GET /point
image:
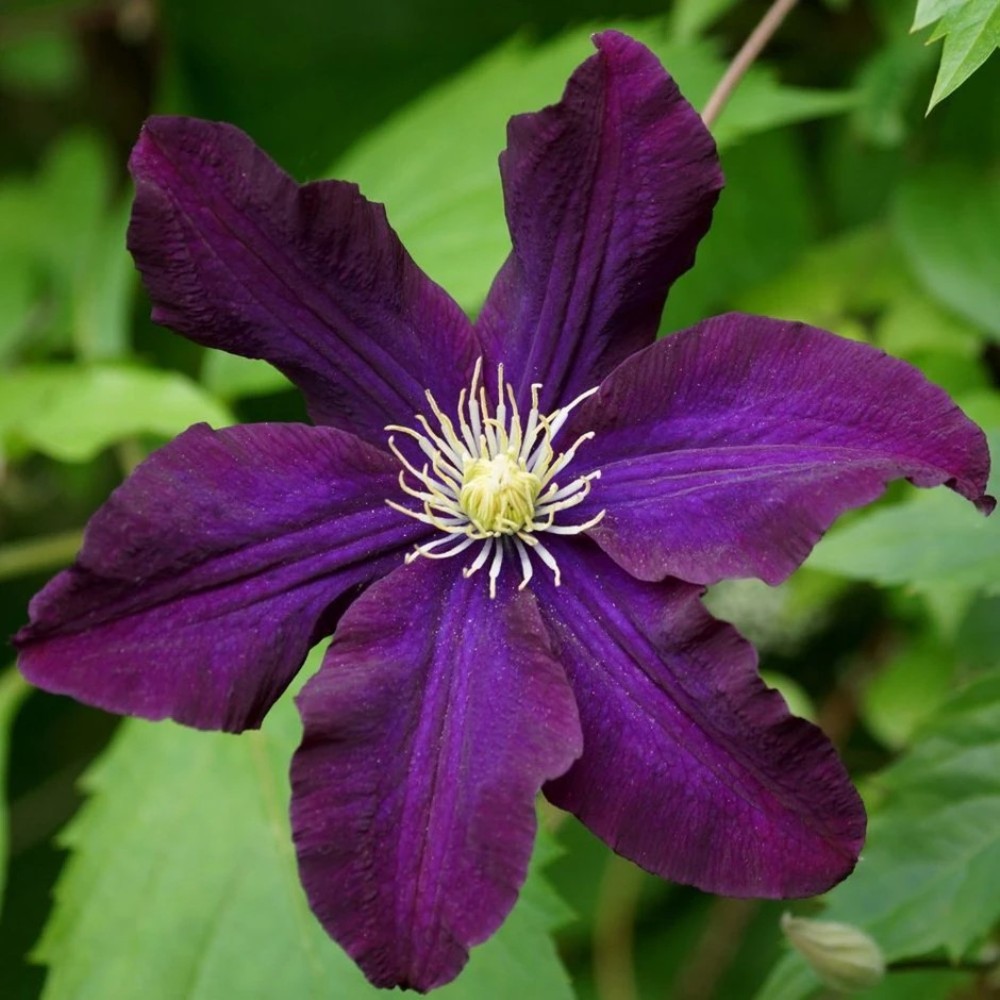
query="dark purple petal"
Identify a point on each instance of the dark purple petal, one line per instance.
(691, 767)
(207, 575)
(434, 721)
(607, 194)
(728, 449)
(236, 255)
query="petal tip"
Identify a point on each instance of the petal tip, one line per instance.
(985, 504)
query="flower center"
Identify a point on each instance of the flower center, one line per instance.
(499, 493)
(491, 482)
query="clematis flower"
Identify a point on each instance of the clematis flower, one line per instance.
(507, 526)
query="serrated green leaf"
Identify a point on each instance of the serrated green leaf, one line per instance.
(929, 11)
(971, 33)
(945, 220)
(932, 539)
(183, 883)
(72, 413)
(12, 691)
(445, 201)
(927, 879)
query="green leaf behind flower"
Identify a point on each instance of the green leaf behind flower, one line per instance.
(12, 691)
(946, 219)
(72, 413)
(927, 879)
(67, 277)
(434, 163)
(930, 541)
(971, 33)
(183, 883)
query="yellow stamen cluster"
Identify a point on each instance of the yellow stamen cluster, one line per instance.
(492, 479)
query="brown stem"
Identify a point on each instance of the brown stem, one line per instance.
(744, 59)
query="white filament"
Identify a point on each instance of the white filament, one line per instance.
(492, 480)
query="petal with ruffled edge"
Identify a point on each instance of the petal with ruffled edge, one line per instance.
(607, 194)
(691, 767)
(236, 255)
(207, 575)
(433, 722)
(727, 450)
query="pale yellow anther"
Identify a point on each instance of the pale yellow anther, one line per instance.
(499, 493)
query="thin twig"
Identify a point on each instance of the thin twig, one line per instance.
(744, 59)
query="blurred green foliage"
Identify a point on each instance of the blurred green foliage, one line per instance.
(845, 207)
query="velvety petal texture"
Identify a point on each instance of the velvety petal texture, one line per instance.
(607, 194)
(727, 450)
(433, 722)
(236, 255)
(691, 767)
(207, 575)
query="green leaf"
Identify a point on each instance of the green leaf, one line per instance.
(907, 691)
(914, 325)
(928, 876)
(68, 253)
(971, 33)
(929, 11)
(762, 224)
(932, 539)
(834, 283)
(690, 18)
(72, 413)
(45, 62)
(12, 691)
(230, 376)
(886, 85)
(447, 204)
(945, 220)
(183, 883)
(102, 290)
(17, 301)
(76, 180)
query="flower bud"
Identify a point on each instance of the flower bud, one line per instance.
(844, 957)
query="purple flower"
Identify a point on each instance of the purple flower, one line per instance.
(507, 525)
